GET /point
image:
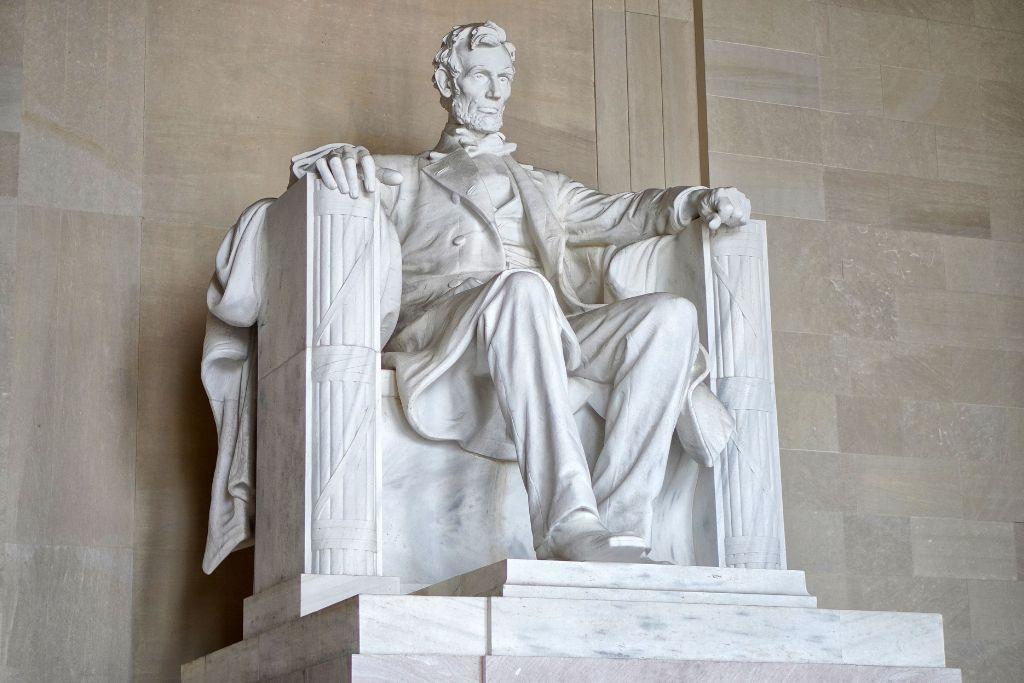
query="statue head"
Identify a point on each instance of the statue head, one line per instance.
(473, 71)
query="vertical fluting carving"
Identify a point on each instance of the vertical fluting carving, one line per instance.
(740, 344)
(343, 395)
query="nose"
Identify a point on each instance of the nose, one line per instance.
(494, 89)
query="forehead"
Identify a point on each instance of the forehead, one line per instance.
(493, 58)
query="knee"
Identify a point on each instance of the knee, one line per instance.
(526, 287)
(670, 312)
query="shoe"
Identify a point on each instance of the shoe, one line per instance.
(583, 538)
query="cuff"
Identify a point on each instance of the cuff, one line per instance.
(682, 212)
(301, 163)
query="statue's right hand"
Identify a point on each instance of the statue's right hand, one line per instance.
(351, 169)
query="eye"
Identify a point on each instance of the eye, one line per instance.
(478, 75)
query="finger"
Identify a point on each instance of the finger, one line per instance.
(714, 223)
(726, 209)
(339, 174)
(389, 176)
(351, 175)
(369, 171)
(325, 174)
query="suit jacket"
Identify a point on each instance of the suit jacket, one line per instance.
(450, 241)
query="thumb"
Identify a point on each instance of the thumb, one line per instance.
(389, 176)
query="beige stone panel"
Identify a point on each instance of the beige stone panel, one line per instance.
(884, 485)
(75, 361)
(978, 157)
(756, 73)
(937, 10)
(643, 6)
(1002, 107)
(646, 124)
(931, 97)
(764, 130)
(611, 97)
(676, 9)
(868, 143)
(830, 589)
(993, 660)
(10, 98)
(201, 164)
(83, 106)
(8, 272)
(946, 207)
(997, 610)
(795, 25)
(856, 196)
(968, 432)
(9, 148)
(964, 549)
(956, 318)
(864, 307)
(1006, 208)
(182, 614)
(814, 541)
(976, 52)
(922, 371)
(12, 25)
(807, 421)
(987, 376)
(873, 38)
(801, 300)
(1018, 532)
(898, 257)
(776, 187)
(812, 480)
(1006, 15)
(849, 87)
(984, 266)
(70, 613)
(869, 425)
(877, 545)
(811, 362)
(947, 597)
(680, 103)
(994, 491)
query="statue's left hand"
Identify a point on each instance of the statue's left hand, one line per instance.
(722, 206)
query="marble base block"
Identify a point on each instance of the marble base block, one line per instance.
(305, 594)
(623, 582)
(537, 620)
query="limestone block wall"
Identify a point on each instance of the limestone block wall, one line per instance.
(883, 141)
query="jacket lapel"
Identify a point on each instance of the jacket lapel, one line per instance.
(457, 172)
(541, 221)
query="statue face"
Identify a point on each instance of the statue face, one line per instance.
(483, 87)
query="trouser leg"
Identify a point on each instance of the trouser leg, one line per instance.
(520, 336)
(644, 348)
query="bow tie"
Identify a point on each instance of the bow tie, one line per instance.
(475, 145)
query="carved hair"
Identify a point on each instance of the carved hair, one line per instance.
(487, 33)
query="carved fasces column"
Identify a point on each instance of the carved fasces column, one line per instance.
(749, 495)
(318, 447)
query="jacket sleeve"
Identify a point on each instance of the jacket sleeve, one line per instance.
(592, 218)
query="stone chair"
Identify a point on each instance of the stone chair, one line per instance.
(350, 500)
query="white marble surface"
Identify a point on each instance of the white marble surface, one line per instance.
(513, 572)
(627, 594)
(590, 628)
(305, 594)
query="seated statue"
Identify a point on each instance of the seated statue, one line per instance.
(491, 340)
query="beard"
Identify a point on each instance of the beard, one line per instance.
(467, 114)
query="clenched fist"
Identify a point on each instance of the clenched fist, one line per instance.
(720, 206)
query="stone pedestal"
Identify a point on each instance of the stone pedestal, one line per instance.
(534, 620)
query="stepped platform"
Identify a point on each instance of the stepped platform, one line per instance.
(537, 620)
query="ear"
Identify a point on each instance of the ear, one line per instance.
(443, 83)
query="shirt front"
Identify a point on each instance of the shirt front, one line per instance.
(508, 213)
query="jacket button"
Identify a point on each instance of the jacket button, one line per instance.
(455, 283)
(459, 241)
(455, 197)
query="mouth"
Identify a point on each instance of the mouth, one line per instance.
(487, 110)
